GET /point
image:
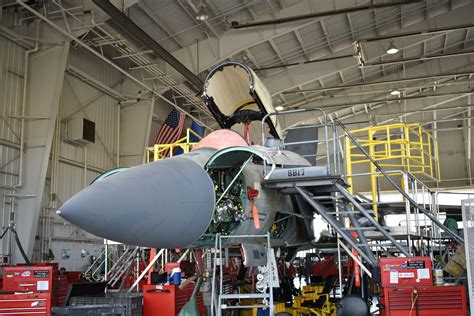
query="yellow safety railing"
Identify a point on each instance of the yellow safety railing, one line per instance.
(163, 151)
(407, 147)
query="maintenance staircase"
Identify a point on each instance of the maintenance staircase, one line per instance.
(122, 267)
(323, 189)
(219, 296)
(94, 270)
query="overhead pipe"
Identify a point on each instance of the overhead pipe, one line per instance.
(304, 62)
(124, 25)
(106, 60)
(237, 25)
(12, 36)
(422, 58)
(414, 33)
(384, 100)
(415, 87)
(424, 122)
(449, 108)
(19, 184)
(381, 82)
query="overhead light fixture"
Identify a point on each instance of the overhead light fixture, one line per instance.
(392, 49)
(395, 92)
(202, 15)
(279, 108)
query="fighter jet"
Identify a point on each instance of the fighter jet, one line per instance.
(184, 201)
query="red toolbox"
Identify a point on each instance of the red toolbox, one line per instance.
(406, 271)
(25, 304)
(168, 300)
(28, 279)
(424, 301)
(39, 278)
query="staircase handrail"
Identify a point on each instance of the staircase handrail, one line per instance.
(412, 202)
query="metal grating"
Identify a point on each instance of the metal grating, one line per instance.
(468, 225)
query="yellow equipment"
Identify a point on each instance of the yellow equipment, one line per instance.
(313, 302)
(405, 147)
(163, 151)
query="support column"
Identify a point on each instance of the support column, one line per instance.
(373, 176)
(44, 86)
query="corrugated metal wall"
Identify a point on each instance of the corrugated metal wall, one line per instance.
(79, 99)
(11, 87)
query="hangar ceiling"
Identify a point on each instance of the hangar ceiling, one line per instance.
(326, 61)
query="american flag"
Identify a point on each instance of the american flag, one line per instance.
(171, 129)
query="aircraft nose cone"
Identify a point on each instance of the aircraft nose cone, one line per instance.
(164, 204)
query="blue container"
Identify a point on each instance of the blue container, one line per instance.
(263, 312)
(176, 277)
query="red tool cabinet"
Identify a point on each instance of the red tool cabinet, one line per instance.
(28, 279)
(31, 304)
(37, 278)
(167, 300)
(415, 271)
(425, 301)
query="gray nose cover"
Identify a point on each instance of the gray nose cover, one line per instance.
(164, 204)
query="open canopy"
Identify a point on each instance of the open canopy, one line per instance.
(234, 94)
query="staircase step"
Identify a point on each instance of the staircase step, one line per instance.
(326, 197)
(244, 296)
(345, 212)
(360, 228)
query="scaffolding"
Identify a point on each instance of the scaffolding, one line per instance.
(163, 151)
(405, 147)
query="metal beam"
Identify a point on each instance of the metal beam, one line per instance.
(106, 60)
(304, 74)
(427, 110)
(16, 38)
(422, 58)
(88, 79)
(127, 27)
(382, 100)
(421, 32)
(303, 62)
(302, 44)
(237, 25)
(326, 36)
(277, 51)
(381, 82)
(431, 86)
(157, 19)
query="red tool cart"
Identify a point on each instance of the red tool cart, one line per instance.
(425, 301)
(29, 278)
(167, 300)
(26, 304)
(37, 278)
(408, 290)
